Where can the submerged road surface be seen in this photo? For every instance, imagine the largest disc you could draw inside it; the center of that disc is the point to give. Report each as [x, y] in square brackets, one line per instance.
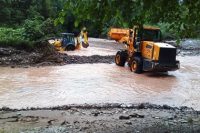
[99, 83]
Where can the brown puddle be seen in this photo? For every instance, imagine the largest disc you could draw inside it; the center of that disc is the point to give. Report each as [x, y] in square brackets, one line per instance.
[99, 83]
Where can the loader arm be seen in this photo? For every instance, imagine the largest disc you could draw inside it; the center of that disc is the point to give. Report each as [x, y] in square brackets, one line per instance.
[82, 39]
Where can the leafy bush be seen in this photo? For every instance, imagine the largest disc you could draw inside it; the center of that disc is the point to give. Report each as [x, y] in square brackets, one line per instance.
[37, 29]
[33, 29]
[48, 27]
[20, 44]
[167, 32]
[10, 33]
[5, 13]
[14, 37]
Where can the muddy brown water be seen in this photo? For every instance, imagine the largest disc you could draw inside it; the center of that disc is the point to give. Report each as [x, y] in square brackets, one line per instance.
[99, 83]
[98, 47]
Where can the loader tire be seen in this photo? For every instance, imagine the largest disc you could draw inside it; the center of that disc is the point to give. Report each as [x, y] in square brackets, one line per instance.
[70, 48]
[136, 65]
[120, 58]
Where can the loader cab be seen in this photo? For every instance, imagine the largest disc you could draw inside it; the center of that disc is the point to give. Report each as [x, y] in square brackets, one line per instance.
[146, 34]
[151, 35]
[68, 41]
[137, 39]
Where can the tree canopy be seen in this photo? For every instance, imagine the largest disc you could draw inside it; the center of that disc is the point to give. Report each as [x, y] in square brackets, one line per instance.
[14, 12]
[176, 18]
[181, 17]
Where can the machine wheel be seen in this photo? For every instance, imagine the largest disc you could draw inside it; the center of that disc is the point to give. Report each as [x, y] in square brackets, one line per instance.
[136, 65]
[120, 58]
[70, 48]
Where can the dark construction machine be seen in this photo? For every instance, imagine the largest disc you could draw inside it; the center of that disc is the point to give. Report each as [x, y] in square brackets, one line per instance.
[144, 50]
[70, 42]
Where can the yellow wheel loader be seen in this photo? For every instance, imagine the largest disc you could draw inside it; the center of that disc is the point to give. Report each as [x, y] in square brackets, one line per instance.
[144, 50]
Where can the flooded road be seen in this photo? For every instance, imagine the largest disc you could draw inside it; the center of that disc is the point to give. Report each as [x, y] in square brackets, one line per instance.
[99, 83]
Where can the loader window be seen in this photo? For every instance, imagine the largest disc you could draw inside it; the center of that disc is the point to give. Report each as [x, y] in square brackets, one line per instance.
[151, 35]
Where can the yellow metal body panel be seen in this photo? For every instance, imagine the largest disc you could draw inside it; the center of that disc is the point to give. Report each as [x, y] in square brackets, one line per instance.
[57, 43]
[156, 52]
[85, 37]
[147, 49]
[124, 39]
[118, 33]
[151, 28]
[150, 51]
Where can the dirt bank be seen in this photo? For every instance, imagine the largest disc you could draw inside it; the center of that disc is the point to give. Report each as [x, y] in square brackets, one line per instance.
[101, 118]
[44, 54]
[41, 51]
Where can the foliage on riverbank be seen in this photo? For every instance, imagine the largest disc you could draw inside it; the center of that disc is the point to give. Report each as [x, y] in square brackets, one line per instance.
[179, 18]
[32, 20]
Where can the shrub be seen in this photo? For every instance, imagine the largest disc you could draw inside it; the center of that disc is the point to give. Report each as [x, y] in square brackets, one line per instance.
[10, 33]
[14, 37]
[48, 27]
[33, 29]
[36, 29]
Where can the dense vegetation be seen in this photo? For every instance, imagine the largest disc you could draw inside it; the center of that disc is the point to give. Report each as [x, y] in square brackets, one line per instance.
[25, 21]
[30, 20]
[178, 18]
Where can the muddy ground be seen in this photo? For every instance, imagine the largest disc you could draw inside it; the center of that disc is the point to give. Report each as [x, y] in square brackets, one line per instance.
[45, 55]
[20, 58]
[116, 118]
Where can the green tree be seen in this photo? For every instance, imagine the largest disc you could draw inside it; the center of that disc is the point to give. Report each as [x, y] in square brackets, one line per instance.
[5, 15]
[182, 16]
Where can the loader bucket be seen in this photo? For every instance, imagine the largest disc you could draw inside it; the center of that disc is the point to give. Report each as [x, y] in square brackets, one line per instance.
[85, 45]
[118, 33]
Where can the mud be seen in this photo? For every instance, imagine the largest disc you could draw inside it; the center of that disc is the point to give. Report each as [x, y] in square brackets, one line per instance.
[88, 59]
[45, 55]
[11, 56]
[101, 118]
[40, 52]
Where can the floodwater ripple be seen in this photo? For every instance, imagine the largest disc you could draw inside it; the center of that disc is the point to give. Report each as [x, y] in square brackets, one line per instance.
[99, 83]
